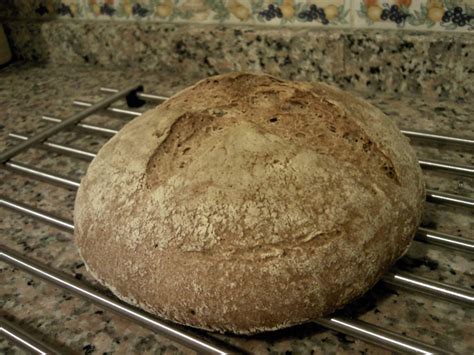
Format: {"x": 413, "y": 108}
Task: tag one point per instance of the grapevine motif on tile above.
{"x": 139, "y": 10}
{"x": 448, "y": 14}
{"x": 107, "y": 8}
{"x": 330, "y": 14}
{"x": 65, "y": 10}
{"x": 45, "y": 8}
{"x": 288, "y": 11}
{"x": 374, "y": 12}
{"x": 133, "y": 9}
{"x": 49, "y": 8}
{"x": 265, "y": 11}
{"x": 419, "y": 14}
{"x": 280, "y": 9}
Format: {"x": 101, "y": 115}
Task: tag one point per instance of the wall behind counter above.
{"x": 114, "y": 34}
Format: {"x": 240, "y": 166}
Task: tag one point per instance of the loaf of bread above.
{"x": 246, "y": 203}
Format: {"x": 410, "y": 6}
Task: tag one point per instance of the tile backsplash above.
{"x": 415, "y": 14}
{"x": 438, "y": 15}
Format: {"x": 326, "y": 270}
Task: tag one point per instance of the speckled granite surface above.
{"x": 28, "y": 91}
{"x": 435, "y": 64}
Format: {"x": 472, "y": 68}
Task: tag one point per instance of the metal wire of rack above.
{"x": 135, "y": 97}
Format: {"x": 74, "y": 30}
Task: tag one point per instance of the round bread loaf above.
{"x": 246, "y": 203}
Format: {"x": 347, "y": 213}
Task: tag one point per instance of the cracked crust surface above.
{"x": 246, "y": 203}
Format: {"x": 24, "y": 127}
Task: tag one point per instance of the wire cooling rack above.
{"x": 135, "y": 97}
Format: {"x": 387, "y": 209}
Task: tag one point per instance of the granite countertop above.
{"x": 28, "y": 91}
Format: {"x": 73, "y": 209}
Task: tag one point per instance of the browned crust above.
{"x": 246, "y": 203}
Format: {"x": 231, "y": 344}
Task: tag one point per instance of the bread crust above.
{"x": 246, "y": 203}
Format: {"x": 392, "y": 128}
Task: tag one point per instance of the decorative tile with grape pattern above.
{"x": 415, "y": 14}
{"x": 265, "y": 12}
{"x": 439, "y": 15}
{"x": 319, "y": 12}
{"x": 269, "y": 12}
